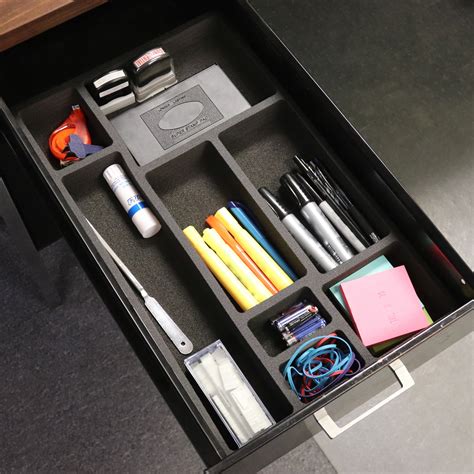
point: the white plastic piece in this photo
(230, 377)
(250, 409)
(116, 88)
(128, 196)
(220, 356)
(211, 368)
(114, 75)
(208, 379)
(230, 419)
(203, 379)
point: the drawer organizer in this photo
(229, 161)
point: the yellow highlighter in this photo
(226, 278)
(266, 263)
(236, 265)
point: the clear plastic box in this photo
(229, 392)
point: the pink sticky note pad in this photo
(384, 306)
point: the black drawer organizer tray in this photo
(229, 161)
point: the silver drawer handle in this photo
(330, 426)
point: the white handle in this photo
(179, 339)
(330, 426)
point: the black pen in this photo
(355, 213)
(332, 215)
(321, 187)
(316, 185)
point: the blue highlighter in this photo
(243, 215)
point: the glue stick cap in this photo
(146, 223)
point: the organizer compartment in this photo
(43, 116)
(268, 336)
(198, 183)
(213, 41)
(264, 385)
(340, 334)
(158, 262)
(434, 295)
(264, 146)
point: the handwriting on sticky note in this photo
(384, 305)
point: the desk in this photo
(21, 20)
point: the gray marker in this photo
(301, 234)
(331, 214)
(317, 220)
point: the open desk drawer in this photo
(232, 160)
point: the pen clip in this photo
(301, 164)
(328, 180)
(309, 188)
(308, 172)
(327, 188)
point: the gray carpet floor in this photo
(74, 397)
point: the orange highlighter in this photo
(213, 222)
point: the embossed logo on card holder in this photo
(181, 117)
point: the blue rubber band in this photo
(319, 374)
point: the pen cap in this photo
(229, 222)
(277, 207)
(295, 189)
